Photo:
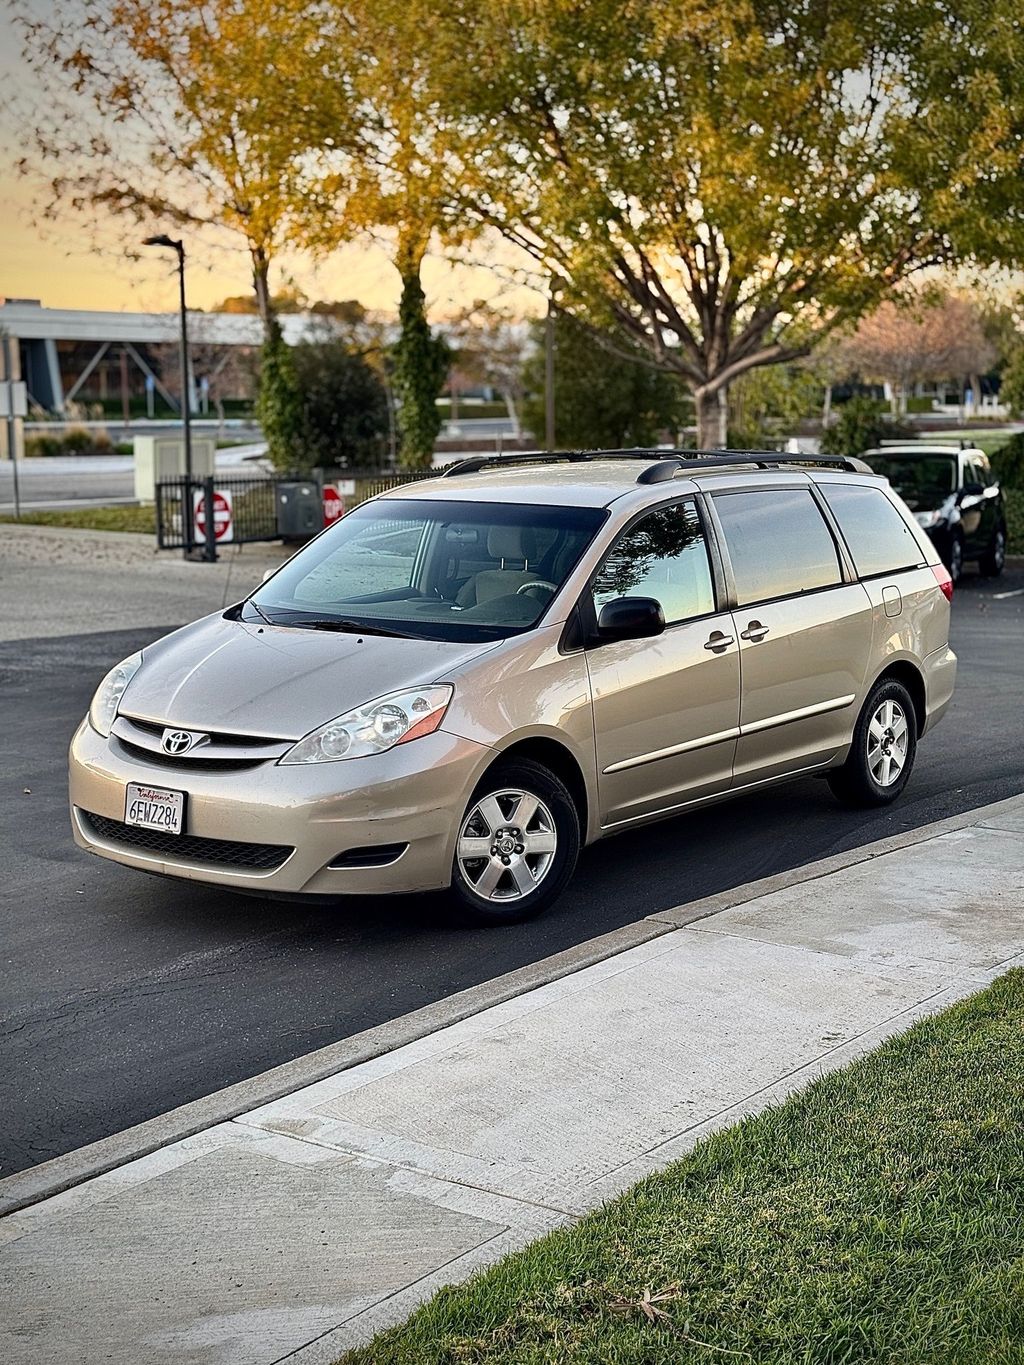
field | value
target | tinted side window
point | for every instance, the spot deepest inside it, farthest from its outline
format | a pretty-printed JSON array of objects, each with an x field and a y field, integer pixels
[
  {"x": 976, "y": 472},
  {"x": 879, "y": 539},
  {"x": 663, "y": 556},
  {"x": 779, "y": 543}
]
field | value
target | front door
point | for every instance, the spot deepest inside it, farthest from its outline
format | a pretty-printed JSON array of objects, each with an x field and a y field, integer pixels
[
  {"x": 979, "y": 512},
  {"x": 805, "y": 635},
  {"x": 666, "y": 709}
]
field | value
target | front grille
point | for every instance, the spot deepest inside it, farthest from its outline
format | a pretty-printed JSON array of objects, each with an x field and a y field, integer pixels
[
  {"x": 188, "y": 847},
  {"x": 220, "y": 752},
  {"x": 181, "y": 764}
]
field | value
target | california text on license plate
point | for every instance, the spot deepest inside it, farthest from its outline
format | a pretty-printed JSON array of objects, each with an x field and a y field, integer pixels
[{"x": 154, "y": 808}]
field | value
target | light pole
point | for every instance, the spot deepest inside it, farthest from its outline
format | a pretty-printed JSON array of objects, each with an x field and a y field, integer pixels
[
  {"x": 186, "y": 509},
  {"x": 549, "y": 371}
]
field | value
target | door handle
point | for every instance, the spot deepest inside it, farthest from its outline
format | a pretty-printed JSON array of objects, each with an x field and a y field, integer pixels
[
  {"x": 717, "y": 641},
  {"x": 755, "y": 631}
]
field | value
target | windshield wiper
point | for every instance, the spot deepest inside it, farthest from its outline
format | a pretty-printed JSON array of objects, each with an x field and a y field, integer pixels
[{"x": 349, "y": 627}]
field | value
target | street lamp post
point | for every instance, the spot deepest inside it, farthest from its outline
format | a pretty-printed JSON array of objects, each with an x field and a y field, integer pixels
[{"x": 186, "y": 509}]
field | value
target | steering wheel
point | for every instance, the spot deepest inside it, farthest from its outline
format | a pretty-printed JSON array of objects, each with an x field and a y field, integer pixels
[{"x": 537, "y": 583}]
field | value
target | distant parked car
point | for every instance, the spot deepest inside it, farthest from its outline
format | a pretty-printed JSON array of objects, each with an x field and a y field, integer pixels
[{"x": 954, "y": 497}]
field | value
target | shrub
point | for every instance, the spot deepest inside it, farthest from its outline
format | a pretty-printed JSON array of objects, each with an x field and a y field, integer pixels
[
  {"x": 602, "y": 398},
  {"x": 78, "y": 441},
  {"x": 1014, "y": 520},
  {"x": 344, "y": 406},
  {"x": 278, "y": 403},
  {"x": 1008, "y": 462},
  {"x": 860, "y": 426},
  {"x": 42, "y": 445}
]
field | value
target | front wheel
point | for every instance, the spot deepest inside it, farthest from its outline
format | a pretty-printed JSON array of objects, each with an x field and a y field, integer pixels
[
  {"x": 993, "y": 561},
  {"x": 883, "y": 750},
  {"x": 517, "y": 846}
]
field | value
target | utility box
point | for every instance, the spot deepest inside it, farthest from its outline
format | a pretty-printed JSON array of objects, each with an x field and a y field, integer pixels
[
  {"x": 163, "y": 457},
  {"x": 300, "y": 510}
]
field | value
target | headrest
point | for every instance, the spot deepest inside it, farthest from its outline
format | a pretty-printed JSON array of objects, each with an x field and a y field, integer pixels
[{"x": 511, "y": 542}]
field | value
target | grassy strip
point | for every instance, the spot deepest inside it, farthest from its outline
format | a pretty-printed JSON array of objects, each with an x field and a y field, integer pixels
[
  {"x": 876, "y": 1217},
  {"x": 125, "y": 518}
]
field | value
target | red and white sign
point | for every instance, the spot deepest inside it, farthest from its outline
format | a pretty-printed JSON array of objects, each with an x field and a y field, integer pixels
[
  {"x": 223, "y": 524},
  {"x": 334, "y": 504}
]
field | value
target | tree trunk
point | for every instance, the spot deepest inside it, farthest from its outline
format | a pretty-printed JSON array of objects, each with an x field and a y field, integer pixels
[
  {"x": 712, "y": 419},
  {"x": 261, "y": 288},
  {"x": 513, "y": 414}
]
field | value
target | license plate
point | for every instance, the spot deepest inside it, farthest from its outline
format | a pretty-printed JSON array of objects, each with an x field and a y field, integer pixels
[{"x": 154, "y": 808}]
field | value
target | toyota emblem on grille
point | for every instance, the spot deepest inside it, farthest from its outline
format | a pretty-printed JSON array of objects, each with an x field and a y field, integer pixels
[{"x": 180, "y": 741}]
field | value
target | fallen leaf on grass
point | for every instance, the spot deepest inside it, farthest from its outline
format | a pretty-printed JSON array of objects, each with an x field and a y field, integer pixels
[{"x": 650, "y": 1306}]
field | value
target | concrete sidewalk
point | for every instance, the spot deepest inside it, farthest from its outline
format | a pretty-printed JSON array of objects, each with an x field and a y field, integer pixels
[{"x": 302, "y": 1226}]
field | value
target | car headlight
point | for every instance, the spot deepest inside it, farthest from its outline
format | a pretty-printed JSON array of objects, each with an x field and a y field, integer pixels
[
  {"x": 927, "y": 519},
  {"x": 375, "y": 727},
  {"x": 103, "y": 707}
]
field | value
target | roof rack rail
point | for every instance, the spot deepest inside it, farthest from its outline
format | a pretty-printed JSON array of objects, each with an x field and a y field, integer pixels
[{"x": 663, "y": 464}]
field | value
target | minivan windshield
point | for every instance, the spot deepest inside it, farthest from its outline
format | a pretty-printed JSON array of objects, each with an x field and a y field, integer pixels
[
  {"x": 924, "y": 482},
  {"x": 430, "y": 570}
]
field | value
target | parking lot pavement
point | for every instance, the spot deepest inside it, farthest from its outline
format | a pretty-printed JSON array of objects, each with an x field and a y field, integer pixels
[
  {"x": 382, "y": 1182},
  {"x": 124, "y": 995},
  {"x": 57, "y": 583}
]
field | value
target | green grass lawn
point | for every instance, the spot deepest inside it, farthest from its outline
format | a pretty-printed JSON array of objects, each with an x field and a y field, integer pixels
[
  {"x": 876, "y": 1217},
  {"x": 123, "y": 518}
]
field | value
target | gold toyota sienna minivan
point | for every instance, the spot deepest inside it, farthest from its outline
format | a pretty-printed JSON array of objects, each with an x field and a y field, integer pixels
[{"x": 466, "y": 679}]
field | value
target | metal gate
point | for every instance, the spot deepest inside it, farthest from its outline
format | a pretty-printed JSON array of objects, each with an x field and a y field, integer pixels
[{"x": 189, "y": 512}]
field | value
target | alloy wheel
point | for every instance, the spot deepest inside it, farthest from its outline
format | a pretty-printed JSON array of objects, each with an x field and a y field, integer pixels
[
  {"x": 956, "y": 561},
  {"x": 999, "y": 551},
  {"x": 507, "y": 845},
  {"x": 888, "y": 737}
]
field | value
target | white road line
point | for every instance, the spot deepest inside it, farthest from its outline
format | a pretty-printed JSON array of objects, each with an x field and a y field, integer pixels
[{"x": 998, "y": 596}]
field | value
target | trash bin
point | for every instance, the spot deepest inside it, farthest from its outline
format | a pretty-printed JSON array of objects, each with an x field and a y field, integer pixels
[{"x": 299, "y": 510}]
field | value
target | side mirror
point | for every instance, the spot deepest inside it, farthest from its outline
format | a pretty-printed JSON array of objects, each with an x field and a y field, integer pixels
[
  {"x": 972, "y": 490},
  {"x": 267, "y": 573},
  {"x": 630, "y": 618}
]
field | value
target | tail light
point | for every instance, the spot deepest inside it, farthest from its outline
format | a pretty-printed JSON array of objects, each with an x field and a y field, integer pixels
[{"x": 943, "y": 579}]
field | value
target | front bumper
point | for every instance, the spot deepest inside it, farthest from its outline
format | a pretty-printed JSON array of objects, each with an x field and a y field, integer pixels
[{"x": 414, "y": 795}]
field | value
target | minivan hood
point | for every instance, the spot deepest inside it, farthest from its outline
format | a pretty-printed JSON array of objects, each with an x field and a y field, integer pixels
[{"x": 277, "y": 681}]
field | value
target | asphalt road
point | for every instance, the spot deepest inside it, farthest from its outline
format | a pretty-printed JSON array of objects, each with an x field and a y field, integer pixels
[
  {"x": 69, "y": 481},
  {"x": 122, "y": 995}
]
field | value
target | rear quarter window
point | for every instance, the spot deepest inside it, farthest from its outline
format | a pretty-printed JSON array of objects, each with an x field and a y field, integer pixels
[
  {"x": 880, "y": 540},
  {"x": 778, "y": 542}
]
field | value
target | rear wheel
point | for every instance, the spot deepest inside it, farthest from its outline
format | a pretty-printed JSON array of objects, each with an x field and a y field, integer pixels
[
  {"x": 993, "y": 560},
  {"x": 884, "y": 747},
  {"x": 517, "y": 846},
  {"x": 955, "y": 557}
]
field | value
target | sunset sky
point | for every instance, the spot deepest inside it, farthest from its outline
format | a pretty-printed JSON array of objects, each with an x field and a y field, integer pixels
[{"x": 65, "y": 266}]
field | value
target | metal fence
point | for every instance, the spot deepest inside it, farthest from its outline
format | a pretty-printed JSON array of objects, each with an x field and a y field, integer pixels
[
  {"x": 189, "y": 512},
  {"x": 192, "y": 514}
]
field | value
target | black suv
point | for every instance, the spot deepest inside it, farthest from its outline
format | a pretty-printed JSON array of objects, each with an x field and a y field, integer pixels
[{"x": 954, "y": 497}]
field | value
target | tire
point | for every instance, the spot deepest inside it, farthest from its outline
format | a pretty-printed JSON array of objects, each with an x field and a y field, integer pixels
[
  {"x": 867, "y": 777},
  {"x": 955, "y": 557},
  {"x": 993, "y": 560},
  {"x": 541, "y": 850}
]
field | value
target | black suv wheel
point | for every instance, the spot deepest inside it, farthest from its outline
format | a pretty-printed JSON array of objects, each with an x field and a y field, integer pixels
[{"x": 993, "y": 561}]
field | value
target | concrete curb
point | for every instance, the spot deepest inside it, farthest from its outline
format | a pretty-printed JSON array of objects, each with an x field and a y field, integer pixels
[{"x": 61, "y": 1173}]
